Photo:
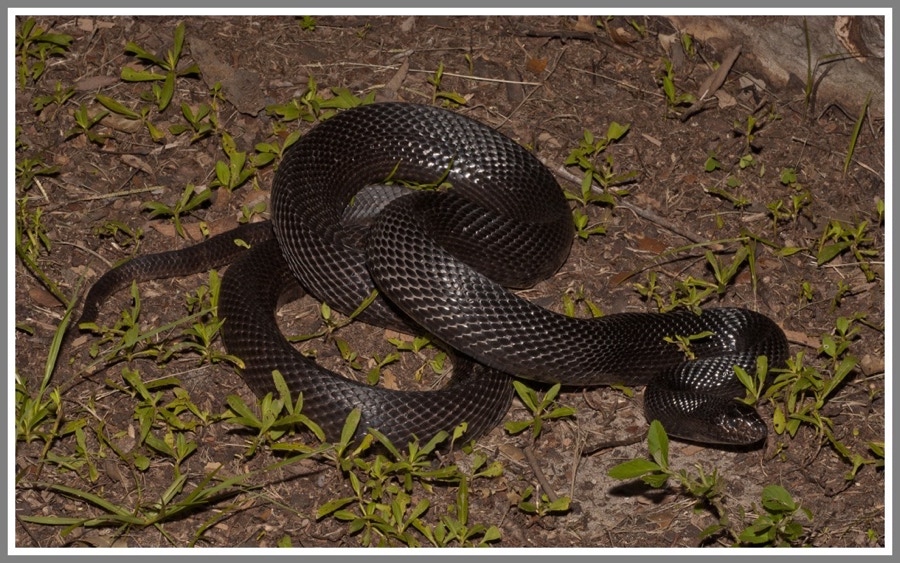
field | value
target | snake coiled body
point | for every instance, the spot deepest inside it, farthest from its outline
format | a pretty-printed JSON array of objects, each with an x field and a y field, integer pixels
[{"x": 442, "y": 260}]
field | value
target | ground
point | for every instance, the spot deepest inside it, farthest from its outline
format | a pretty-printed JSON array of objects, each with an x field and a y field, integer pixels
[{"x": 797, "y": 180}]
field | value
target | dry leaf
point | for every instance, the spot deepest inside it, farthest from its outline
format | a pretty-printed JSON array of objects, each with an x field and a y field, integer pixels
[
  {"x": 586, "y": 24},
  {"x": 536, "y": 66}
]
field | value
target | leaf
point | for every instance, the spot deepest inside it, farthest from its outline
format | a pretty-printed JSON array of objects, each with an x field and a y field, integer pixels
[
  {"x": 658, "y": 444},
  {"x": 559, "y": 505},
  {"x": 168, "y": 91},
  {"x": 333, "y": 506},
  {"x": 655, "y": 480},
  {"x": 776, "y": 500},
  {"x": 116, "y": 107},
  {"x": 760, "y": 532},
  {"x": 561, "y": 412},
  {"x": 828, "y": 253},
  {"x": 389, "y": 446},
  {"x": 633, "y": 468},
  {"x": 245, "y": 417},
  {"x": 349, "y": 429},
  {"x": 616, "y": 131},
  {"x": 527, "y": 395},
  {"x": 778, "y": 420},
  {"x": 517, "y": 426},
  {"x": 131, "y": 75}
]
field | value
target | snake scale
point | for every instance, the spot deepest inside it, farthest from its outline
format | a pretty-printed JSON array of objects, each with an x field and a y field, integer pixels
[{"x": 442, "y": 260}]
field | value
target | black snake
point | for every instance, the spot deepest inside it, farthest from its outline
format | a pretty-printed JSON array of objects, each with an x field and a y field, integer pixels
[{"x": 442, "y": 258}]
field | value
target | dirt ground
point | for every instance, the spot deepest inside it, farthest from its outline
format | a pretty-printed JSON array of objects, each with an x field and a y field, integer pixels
[{"x": 543, "y": 81}]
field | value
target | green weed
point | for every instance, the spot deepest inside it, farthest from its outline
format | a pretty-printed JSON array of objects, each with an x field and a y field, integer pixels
[
  {"x": 84, "y": 122},
  {"x": 34, "y": 47},
  {"x": 276, "y": 417},
  {"x": 160, "y": 95},
  {"x": 307, "y": 23},
  {"x": 777, "y": 525},
  {"x": 674, "y": 99},
  {"x": 201, "y": 122},
  {"x": 576, "y": 299},
  {"x": 124, "y": 235},
  {"x": 234, "y": 173},
  {"x": 541, "y": 506},
  {"x": 312, "y": 106},
  {"x": 542, "y": 409},
  {"x": 143, "y": 116},
  {"x": 381, "y": 509},
  {"x": 28, "y": 169},
  {"x": 449, "y": 98},
  {"x": 840, "y": 237},
  {"x": 191, "y": 199},
  {"x": 586, "y": 157},
  {"x": 31, "y": 242},
  {"x": 59, "y": 97}
]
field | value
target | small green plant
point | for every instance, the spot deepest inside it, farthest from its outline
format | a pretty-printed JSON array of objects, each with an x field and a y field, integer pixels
[
  {"x": 687, "y": 45},
  {"x": 201, "y": 122},
  {"x": 35, "y": 410},
  {"x": 59, "y": 97},
  {"x": 777, "y": 525},
  {"x": 754, "y": 384},
  {"x": 800, "y": 392},
  {"x": 674, "y": 100},
  {"x": 124, "y": 235},
  {"x": 160, "y": 95},
  {"x": 542, "y": 409},
  {"x": 684, "y": 342},
  {"x": 34, "y": 47},
  {"x": 638, "y": 27},
  {"x": 190, "y": 200},
  {"x": 32, "y": 239},
  {"x": 84, "y": 122},
  {"x": 585, "y": 157},
  {"x": 747, "y": 129},
  {"x": 183, "y": 497},
  {"x": 799, "y": 200},
  {"x": 28, "y": 169},
  {"x": 542, "y": 505},
  {"x": 712, "y": 163},
  {"x": 31, "y": 242},
  {"x": 332, "y": 321},
  {"x": 247, "y": 213},
  {"x": 739, "y": 202},
  {"x": 234, "y": 173},
  {"x": 449, "y": 98},
  {"x": 128, "y": 341},
  {"x": 312, "y": 106},
  {"x": 840, "y": 237},
  {"x": 266, "y": 153},
  {"x": 689, "y": 293},
  {"x": 143, "y": 116},
  {"x": 276, "y": 417},
  {"x": 307, "y": 23},
  {"x": 199, "y": 336},
  {"x": 575, "y": 299},
  {"x": 656, "y": 473}
]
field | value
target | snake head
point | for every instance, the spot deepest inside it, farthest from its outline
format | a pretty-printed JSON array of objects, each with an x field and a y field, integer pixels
[
  {"x": 704, "y": 418},
  {"x": 738, "y": 423}
]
